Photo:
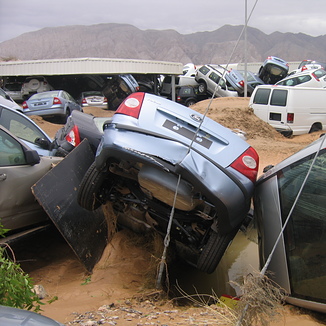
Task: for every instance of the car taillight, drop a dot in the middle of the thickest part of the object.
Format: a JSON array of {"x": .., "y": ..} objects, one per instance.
[
  {"x": 178, "y": 98},
  {"x": 247, "y": 164},
  {"x": 56, "y": 100},
  {"x": 105, "y": 100},
  {"x": 73, "y": 136},
  {"x": 25, "y": 106},
  {"x": 84, "y": 101},
  {"x": 131, "y": 105},
  {"x": 315, "y": 76},
  {"x": 290, "y": 118},
  {"x": 241, "y": 83}
]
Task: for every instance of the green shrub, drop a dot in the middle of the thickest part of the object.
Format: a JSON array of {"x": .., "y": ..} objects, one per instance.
[{"x": 16, "y": 287}]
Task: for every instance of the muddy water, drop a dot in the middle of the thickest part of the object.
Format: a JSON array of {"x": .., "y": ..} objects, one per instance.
[{"x": 240, "y": 259}]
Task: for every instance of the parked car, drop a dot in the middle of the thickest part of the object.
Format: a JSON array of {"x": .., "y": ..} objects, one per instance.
[
  {"x": 20, "y": 168},
  {"x": 210, "y": 79},
  {"x": 79, "y": 126},
  {"x": 6, "y": 100},
  {"x": 189, "y": 95},
  {"x": 312, "y": 62},
  {"x": 14, "y": 90},
  {"x": 34, "y": 84},
  {"x": 20, "y": 317},
  {"x": 117, "y": 88},
  {"x": 26, "y": 130},
  {"x": 154, "y": 148},
  {"x": 92, "y": 98},
  {"x": 295, "y": 190},
  {"x": 273, "y": 70},
  {"x": 51, "y": 104},
  {"x": 252, "y": 81},
  {"x": 306, "y": 78}
]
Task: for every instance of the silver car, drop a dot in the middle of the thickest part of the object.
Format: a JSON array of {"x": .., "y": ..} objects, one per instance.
[
  {"x": 295, "y": 189},
  {"x": 212, "y": 79},
  {"x": 20, "y": 317},
  {"x": 154, "y": 148},
  {"x": 20, "y": 168},
  {"x": 51, "y": 104}
]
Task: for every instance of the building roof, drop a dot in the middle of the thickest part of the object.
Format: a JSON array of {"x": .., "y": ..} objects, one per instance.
[{"x": 77, "y": 66}]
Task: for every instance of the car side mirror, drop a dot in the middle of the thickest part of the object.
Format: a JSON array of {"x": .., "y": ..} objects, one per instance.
[
  {"x": 32, "y": 157},
  {"x": 42, "y": 142}
]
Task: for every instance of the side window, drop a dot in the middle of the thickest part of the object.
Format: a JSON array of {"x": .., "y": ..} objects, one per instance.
[
  {"x": 262, "y": 96},
  {"x": 305, "y": 233},
  {"x": 20, "y": 126},
  {"x": 279, "y": 97},
  {"x": 222, "y": 83},
  {"x": 11, "y": 152},
  {"x": 204, "y": 70},
  {"x": 303, "y": 79},
  {"x": 214, "y": 77}
]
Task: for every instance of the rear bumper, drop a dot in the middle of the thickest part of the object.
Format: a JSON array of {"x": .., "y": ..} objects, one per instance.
[{"x": 221, "y": 186}]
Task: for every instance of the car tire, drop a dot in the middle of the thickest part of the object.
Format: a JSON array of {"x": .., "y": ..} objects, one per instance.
[
  {"x": 214, "y": 250},
  {"x": 89, "y": 189},
  {"x": 190, "y": 102},
  {"x": 65, "y": 117},
  {"x": 202, "y": 88}
]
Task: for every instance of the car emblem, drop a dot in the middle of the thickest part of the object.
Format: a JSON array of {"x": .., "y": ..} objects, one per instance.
[{"x": 196, "y": 117}]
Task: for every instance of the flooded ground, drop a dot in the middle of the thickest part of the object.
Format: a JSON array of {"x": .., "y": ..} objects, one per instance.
[{"x": 240, "y": 259}]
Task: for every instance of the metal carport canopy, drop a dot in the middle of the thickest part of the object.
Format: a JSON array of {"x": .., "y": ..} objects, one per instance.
[{"x": 78, "y": 66}]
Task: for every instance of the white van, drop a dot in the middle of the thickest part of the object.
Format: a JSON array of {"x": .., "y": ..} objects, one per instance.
[{"x": 290, "y": 110}]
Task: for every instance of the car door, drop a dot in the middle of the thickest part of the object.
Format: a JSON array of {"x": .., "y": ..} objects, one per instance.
[{"x": 20, "y": 168}]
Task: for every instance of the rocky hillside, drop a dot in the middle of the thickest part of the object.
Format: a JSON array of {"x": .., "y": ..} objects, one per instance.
[{"x": 128, "y": 42}]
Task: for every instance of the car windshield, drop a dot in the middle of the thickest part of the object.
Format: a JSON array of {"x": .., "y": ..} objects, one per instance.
[{"x": 306, "y": 231}]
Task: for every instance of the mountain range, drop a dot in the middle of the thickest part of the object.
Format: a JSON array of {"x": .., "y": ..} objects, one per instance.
[{"x": 128, "y": 42}]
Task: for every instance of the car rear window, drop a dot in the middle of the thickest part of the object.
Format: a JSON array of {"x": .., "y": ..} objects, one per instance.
[
  {"x": 262, "y": 96},
  {"x": 320, "y": 73}
]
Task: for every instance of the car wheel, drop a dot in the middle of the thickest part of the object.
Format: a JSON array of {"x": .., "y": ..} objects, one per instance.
[
  {"x": 214, "y": 251},
  {"x": 202, "y": 88},
  {"x": 89, "y": 189},
  {"x": 65, "y": 117},
  {"x": 190, "y": 102}
]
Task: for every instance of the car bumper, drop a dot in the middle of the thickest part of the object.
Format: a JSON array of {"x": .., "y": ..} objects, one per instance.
[
  {"x": 45, "y": 112},
  {"x": 228, "y": 191}
]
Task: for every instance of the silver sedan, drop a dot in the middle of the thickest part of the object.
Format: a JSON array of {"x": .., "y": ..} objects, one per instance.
[{"x": 51, "y": 104}]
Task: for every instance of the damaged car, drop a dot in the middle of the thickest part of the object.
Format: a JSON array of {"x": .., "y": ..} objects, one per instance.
[
  {"x": 20, "y": 168},
  {"x": 157, "y": 157},
  {"x": 273, "y": 70},
  {"x": 290, "y": 206}
]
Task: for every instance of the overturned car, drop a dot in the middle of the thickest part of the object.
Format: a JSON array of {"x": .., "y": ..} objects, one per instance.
[{"x": 159, "y": 160}]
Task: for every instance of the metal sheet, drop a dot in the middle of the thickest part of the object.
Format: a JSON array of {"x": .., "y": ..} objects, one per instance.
[{"x": 86, "y": 232}]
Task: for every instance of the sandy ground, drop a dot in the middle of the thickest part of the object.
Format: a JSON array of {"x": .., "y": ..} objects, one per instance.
[{"x": 124, "y": 276}]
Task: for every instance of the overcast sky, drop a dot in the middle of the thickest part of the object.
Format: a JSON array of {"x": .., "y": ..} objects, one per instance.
[{"x": 185, "y": 16}]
